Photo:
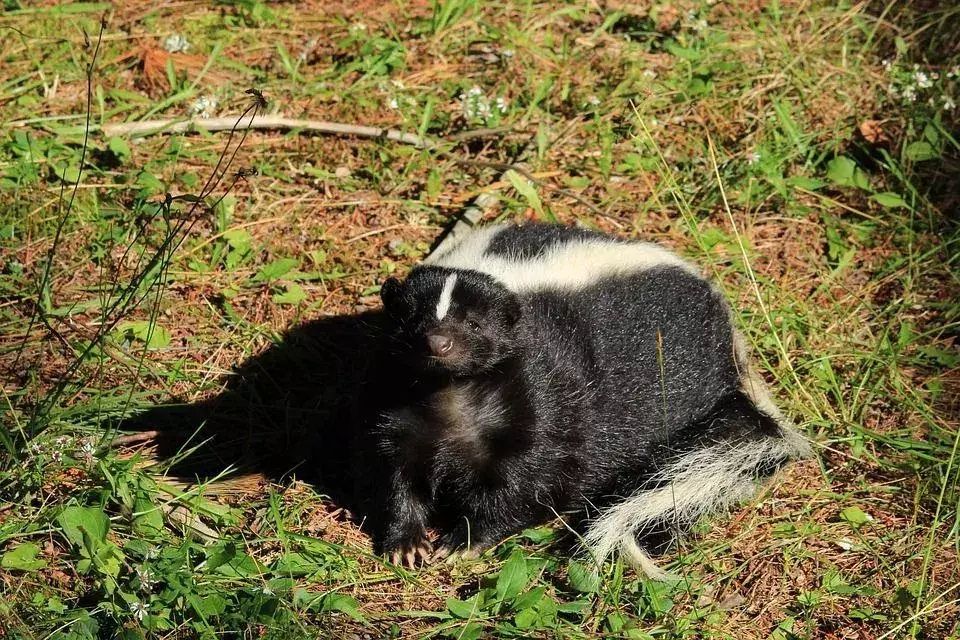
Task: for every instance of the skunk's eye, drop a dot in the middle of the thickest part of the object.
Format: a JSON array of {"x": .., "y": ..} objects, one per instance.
[{"x": 473, "y": 326}]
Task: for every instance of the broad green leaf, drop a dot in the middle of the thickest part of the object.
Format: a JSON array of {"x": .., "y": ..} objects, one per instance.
[
  {"x": 292, "y": 296},
  {"x": 120, "y": 148},
  {"x": 810, "y": 184},
  {"x": 276, "y": 269},
  {"x": 461, "y": 609},
  {"x": 155, "y": 338},
  {"x": 344, "y": 604},
  {"x": 582, "y": 578},
  {"x": 920, "y": 151},
  {"x": 683, "y": 52},
  {"x": 855, "y": 516},
  {"x": 148, "y": 521},
  {"x": 23, "y": 558},
  {"x": 512, "y": 577},
  {"x": 890, "y": 200},
  {"x": 527, "y": 190},
  {"x": 76, "y": 521},
  {"x": 845, "y": 172}
]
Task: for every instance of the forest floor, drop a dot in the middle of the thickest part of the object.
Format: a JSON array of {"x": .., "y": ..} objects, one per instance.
[{"x": 803, "y": 153}]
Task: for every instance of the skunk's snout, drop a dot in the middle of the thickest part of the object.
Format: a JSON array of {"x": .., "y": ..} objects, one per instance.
[{"x": 440, "y": 345}]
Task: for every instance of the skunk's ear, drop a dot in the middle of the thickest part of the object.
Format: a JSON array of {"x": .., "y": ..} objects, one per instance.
[{"x": 394, "y": 299}]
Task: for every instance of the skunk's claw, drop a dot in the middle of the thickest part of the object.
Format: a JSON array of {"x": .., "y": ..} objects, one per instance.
[{"x": 411, "y": 555}]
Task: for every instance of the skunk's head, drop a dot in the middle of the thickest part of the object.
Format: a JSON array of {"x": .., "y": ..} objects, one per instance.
[{"x": 453, "y": 320}]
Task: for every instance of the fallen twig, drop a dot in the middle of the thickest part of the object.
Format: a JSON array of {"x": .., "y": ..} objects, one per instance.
[{"x": 134, "y": 438}]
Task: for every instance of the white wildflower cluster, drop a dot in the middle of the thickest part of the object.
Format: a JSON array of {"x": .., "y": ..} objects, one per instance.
[
  {"x": 204, "y": 107},
  {"x": 176, "y": 43},
  {"x": 753, "y": 158},
  {"x": 917, "y": 85},
  {"x": 476, "y": 106},
  {"x": 695, "y": 22}
]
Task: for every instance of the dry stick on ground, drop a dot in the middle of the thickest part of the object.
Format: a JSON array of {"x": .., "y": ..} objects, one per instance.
[{"x": 152, "y": 127}]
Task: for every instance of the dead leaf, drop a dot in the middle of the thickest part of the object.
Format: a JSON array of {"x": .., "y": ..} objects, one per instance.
[{"x": 872, "y": 131}]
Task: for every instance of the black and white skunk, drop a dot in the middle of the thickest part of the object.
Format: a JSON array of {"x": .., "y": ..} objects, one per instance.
[{"x": 553, "y": 371}]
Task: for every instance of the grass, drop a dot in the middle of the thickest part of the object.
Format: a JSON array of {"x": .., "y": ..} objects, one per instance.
[{"x": 804, "y": 153}]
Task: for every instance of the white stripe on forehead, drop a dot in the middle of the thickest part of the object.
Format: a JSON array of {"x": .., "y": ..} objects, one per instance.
[{"x": 443, "y": 305}]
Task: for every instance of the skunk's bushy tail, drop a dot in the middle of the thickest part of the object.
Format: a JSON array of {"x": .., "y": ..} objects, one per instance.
[{"x": 742, "y": 442}]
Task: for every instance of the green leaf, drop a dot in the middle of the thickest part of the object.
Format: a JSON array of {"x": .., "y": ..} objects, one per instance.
[
  {"x": 582, "y": 578},
  {"x": 155, "y": 338},
  {"x": 220, "y": 555},
  {"x": 148, "y": 521},
  {"x": 527, "y": 190},
  {"x": 920, "y": 151},
  {"x": 238, "y": 239},
  {"x": 344, "y": 604},
  {"x": 77, "y": 521},
  {"x": 211, "y": 604},
  {"x": 810, "y": 184},
  {"x": 119, "y": 148},
  {"x": 295, "y": 564},
  {"x": 294, "y": 295},
  {"x": 276, "y": 269},
  {"x": 512, "y": 577},
  {"x": 23, "y": 558},
  {"x": 844, "y": 172},
  {"x": 461, "y": 609},
  {"x": 526, "y": 618},
  {"x": 855, "y": 516},
  {"x": 890, "y": 200},
  {"x": 683, "y": 52}
]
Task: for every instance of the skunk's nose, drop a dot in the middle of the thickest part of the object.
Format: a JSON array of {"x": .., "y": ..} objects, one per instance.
[{"x": 440, "y": 345}]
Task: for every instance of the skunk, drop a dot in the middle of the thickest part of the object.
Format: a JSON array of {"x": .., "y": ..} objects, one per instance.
[{"x": 547, "y": 370}]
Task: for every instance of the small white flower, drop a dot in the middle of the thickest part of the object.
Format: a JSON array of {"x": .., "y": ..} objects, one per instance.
[
  {"x": 649, "y": 74},
  {"x": 507, "y": 53},
  {"x": 934, "y": 75},
  {"x": 357, "y": 27},
  {"x": 475, "y": 91},
  {"x": 888, "y": 65},
  {"x": 654, "y": 123},
  {"x": 152, "y": 552},
  {"x": 397, "y": 83},
  {"x": 949, "y": 104},
  {"x": 139, "y": 610},
  {"x": 593, "y": 101},
  {"x": 265, "y": 590},
  {"x": 502, "y": 105},
  {"x": 954, "y": 72},
  {"x": 56, "y": 456},
  {"x": 176, "y": 43},
  {"x": 87, "y": 446},
  {"x": 753, "y": 158},
  {"x": 61, "y": 441},
  {"x": 204, "y": 107},
  {"x": 700, "y": 25},
  {"x": 36, "y": 448},
  {"x": 922, "y": 79},
  {"x": 145, "y": 578},
  {"x": 910, "y": 93},
  {"x": 393, "y": 103}
]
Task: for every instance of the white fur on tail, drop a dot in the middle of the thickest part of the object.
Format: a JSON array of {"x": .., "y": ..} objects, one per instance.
[{"x": 695, "y": 484}]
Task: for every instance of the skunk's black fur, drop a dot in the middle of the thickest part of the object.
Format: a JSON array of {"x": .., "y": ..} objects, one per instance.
[{"x": 566, "y": 394}]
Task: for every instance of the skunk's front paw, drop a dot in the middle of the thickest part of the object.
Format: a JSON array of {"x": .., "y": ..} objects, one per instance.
[{"x": 412, "y": 552}]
